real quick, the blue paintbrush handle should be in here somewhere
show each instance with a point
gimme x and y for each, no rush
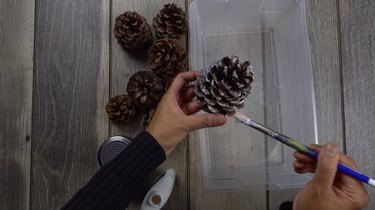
(346, 170)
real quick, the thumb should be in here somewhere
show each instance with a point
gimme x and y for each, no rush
(327, 166)
(196, 122)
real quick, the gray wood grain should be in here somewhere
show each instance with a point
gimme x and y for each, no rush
(123, 65)
(70, 91)
(16, 81)
(323, 36)
(358, 50)
(74, 42)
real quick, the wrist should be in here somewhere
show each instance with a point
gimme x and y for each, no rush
(159, 138)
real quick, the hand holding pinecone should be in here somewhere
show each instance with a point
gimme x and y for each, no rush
(224, 85)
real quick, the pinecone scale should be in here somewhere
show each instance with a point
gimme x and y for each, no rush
(167, 58)
(120, 109)
(170, 22)
(145, 88)
(224, 86)
(132, 31)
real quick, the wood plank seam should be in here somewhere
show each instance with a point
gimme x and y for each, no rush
(341, 75)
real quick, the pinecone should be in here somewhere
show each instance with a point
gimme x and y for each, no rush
(120, 109)
(167, 58)
(145, 88)
(170, 22)
(146, 119)
(224, 85)
(132, 31)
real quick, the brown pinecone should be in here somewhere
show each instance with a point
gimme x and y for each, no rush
(120, 109)
(132, 30)
(145, 88)
(224, 85)
(170, 22)
(167, 58)
(146, 119)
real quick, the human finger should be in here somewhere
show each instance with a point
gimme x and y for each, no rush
(316, 147)
(188, 94)
(181, 79)
(191, 108)
(348, 161)
(349, 182)
(345, 159)
(327, 166)
(195, 122)
(349, 185)
(302, 168)
(303, 158)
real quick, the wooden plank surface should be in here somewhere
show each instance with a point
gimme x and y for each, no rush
(123, 65)
(70, 91)
(358, 50)
(323, 36)
(74, 43)
(16, 79)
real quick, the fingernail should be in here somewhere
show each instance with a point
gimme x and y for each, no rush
(331, 149)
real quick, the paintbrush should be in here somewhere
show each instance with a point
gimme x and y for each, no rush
(299, 147)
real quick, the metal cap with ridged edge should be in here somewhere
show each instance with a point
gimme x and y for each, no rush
(111, 147)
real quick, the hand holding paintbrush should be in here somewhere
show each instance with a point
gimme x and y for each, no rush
(226, 84)
(300, 147)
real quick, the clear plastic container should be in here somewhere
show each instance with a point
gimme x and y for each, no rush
(272, 34)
